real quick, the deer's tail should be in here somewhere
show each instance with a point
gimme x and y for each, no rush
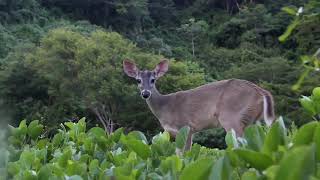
(268, 108)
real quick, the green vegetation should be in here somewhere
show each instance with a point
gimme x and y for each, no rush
(61, 60)
(75, 153)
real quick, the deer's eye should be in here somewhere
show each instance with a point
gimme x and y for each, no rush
(138, 81)
(152, 81)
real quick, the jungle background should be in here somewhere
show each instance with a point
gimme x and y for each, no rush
(62, 60)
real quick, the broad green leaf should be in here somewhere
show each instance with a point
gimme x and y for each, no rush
(234, 158)
(97, 132)
(249, 175)
(70, 125)
(45, 172)
(125, 172)
(163, 148)
(316, 92)
(137, 146)
(82, 125)
(94, 166)
(76, 168)
(299, 163)
(161, 145)
(308, 105)
(254, 136)
(33, 124)
(140, 148)
(35, 129)
(231, 139)
(115, 136)
(197, 170)
(122, 177)
(316, 139)
(35, 132)
(305, 134)
(13, 168)
(171, 163)
(42, 143)
(63, 160)
(275, 137)
(222, 169)
(138, 135)
(194, 152)
(290, 10)
(182, 136)
(255, 159)
(161, 137)
(26, 159)
(57, 139)
(29, 175)
(13, 131)
(23, 128)
(154, 176)
(271, 171)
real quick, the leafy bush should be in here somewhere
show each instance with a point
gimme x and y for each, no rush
(76, 153)
(312, 104)
(73, 152)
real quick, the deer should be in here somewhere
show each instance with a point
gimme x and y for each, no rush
(232, 104)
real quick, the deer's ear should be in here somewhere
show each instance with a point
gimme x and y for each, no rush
(161, 68)
(130, 68)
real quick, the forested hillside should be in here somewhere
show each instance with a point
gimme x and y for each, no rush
(68, 111)
(61, 60)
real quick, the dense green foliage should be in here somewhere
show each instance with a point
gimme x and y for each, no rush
(61, 60)
(78, 74)
(76, 153)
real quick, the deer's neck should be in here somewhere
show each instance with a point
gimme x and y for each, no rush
(157, 103)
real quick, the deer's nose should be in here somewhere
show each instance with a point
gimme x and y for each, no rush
(145, 94)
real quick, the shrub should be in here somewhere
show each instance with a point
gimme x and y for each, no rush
(74, 152)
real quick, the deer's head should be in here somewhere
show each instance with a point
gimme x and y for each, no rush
(146, 79)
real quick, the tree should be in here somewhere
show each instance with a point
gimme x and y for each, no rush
(84, 77)
(163, 12)
(194, 29)
(304, 29)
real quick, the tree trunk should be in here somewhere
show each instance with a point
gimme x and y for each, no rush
(192, 41)
(104, 117)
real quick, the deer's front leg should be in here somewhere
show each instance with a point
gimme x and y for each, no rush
(188, 145)
(173, 132)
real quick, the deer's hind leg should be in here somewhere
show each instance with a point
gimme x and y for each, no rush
(232, 121)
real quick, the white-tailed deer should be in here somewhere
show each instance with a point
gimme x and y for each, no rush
(231, 104)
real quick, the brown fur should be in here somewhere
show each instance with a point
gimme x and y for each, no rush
(231, 104)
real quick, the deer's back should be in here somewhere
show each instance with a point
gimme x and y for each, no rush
(201, 107)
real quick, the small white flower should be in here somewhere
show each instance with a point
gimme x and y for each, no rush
(33, 172)
(300, 10)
